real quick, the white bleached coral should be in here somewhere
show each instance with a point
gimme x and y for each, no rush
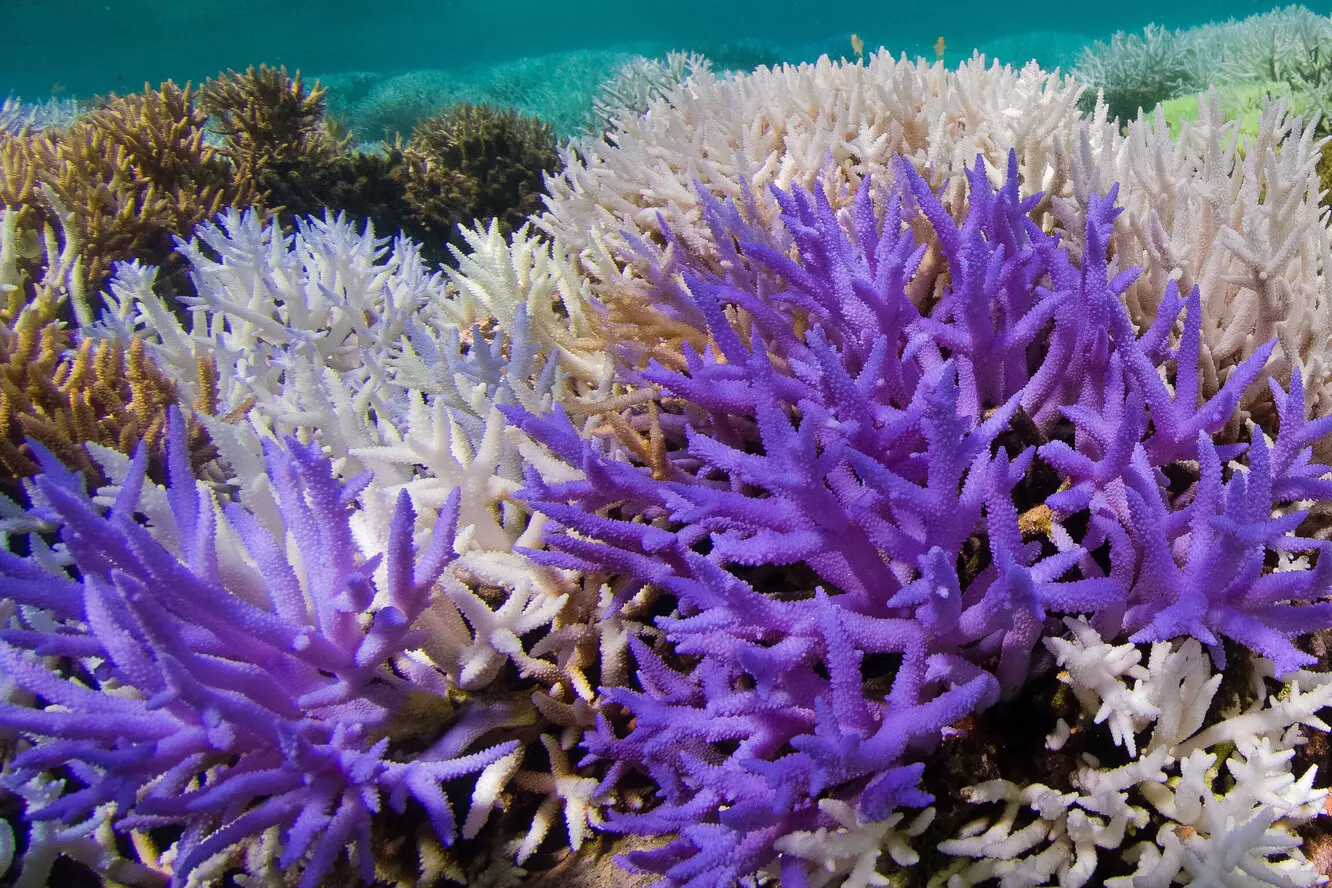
(334, 335)
(1172, 691)
(638, 83)
(1239, 217)
(498, 275)
(309, 334)
(564, 789)
(849, 854)
(1209, 804)
(785, 126)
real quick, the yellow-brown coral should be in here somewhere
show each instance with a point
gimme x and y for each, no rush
(475, 162)
(282, 145)
(99, 392)
(273, 131)
(127, 177)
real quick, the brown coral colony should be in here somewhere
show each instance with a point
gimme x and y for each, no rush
(124, 181)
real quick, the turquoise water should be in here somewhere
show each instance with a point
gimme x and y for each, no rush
(84, 47)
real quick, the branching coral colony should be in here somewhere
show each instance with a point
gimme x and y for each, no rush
(754, 601)
(867, 511)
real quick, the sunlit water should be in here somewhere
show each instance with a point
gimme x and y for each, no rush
(86, 47)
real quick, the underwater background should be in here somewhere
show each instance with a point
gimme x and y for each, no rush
(87, 47)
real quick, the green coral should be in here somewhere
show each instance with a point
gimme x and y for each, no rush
(1242, 102)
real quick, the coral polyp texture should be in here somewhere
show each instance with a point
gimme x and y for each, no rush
(864, 511)
(254, 688)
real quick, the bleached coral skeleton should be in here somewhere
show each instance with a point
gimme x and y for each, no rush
(1240, 219)
(639, 82)
(736, 136)
(849, 855)
(1214, 805)
(331, 334)
(497, 278)
(332, 331)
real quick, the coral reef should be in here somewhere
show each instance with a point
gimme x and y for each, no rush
(264, 694)
(282, 144)
(638, 83)
(468, 163)
(830, 486)
(791, 125)
(129, 178)
(474, 162)
(871, 473)
(1240, 219)
(66, 392)
(1134, 72)
(120, 182)
(357, 347)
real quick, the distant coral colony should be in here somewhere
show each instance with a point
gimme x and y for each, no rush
(864, 473)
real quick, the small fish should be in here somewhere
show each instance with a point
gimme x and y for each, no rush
(858, 45)
(939, 48)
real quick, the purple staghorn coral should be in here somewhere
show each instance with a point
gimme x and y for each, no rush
(930, 483)
(192, 698)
